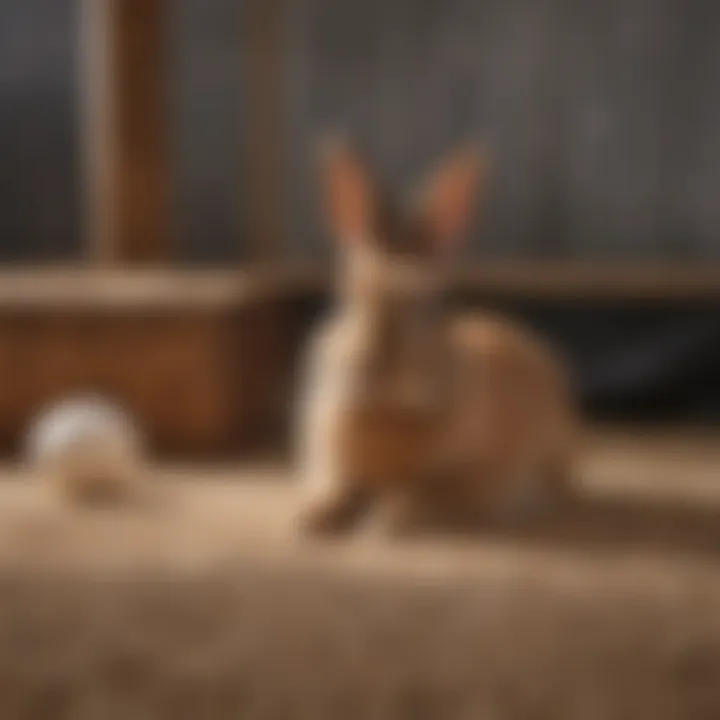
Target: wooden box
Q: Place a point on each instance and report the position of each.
(197, 357)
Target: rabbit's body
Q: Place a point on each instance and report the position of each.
(494, 434)
(429, 415)
(374, 435)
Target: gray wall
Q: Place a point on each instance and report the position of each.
(207, 125)
(604, 118)
(38, 140)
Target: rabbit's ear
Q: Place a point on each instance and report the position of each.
(348, 191)
(447, 202)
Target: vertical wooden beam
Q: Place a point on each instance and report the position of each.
(125, 134)
(263, 148)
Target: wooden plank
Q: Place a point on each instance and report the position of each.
(120, 289)
(552, 280)
(125, 133)
(263, 149)
(284, 281)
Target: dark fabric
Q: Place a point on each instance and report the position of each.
(650, 362)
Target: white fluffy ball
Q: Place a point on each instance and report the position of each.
(87, 446)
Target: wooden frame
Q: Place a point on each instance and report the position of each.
(566, 280)
(123, 67)
(125, 130)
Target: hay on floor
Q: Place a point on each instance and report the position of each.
(205, 606)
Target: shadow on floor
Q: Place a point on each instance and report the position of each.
(594, 523)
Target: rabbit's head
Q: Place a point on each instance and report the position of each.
(392, 250)
(393, 255)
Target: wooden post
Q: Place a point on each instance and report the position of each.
(125, 134)
(263, 148)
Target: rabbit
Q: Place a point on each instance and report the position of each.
(408, 409)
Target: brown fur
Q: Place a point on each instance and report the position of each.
(433, 415)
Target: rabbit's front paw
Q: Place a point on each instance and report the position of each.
(401, 517)
(323, 519)
(334, 514)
